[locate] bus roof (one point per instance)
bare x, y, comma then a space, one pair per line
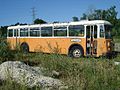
92, 22
82, 22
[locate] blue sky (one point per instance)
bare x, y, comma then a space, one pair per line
13, 11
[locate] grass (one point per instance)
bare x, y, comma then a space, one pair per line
116, 40
83, 73
78, 74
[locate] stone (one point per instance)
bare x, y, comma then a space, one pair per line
56, 74
117, 63
26, 75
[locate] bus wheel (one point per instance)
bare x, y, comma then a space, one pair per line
24, 48
76, 52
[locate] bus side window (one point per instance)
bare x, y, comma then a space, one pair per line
10, 33
76, 30
46, 31
34, 32
24, 32
60, 31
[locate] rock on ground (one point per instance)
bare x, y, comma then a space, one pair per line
117, 63
26, 75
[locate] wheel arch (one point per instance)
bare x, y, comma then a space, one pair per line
24, 44
73, 45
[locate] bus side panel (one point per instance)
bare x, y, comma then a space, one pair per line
57, 45
47, 45
52, 45
12, 42
103, 46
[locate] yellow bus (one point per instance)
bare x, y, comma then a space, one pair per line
76, 39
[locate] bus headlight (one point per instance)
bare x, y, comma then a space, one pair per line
108, 44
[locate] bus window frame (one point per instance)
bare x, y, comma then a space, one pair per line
17, 29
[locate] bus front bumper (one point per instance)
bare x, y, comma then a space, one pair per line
111, 55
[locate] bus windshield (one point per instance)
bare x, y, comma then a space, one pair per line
108, 29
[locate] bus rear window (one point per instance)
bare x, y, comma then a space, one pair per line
10, 33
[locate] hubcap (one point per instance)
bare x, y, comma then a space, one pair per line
76, 53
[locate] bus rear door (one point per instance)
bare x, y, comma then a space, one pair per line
16, 37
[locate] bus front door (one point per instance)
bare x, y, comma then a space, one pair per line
91, 40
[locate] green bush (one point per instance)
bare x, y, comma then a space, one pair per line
5, 52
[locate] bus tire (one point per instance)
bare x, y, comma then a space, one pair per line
24, 48
76, 52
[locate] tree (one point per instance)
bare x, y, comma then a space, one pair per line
39, 21
3, 31
108, 15
84, 17
19, 24
99, 14
75, 19
89, 13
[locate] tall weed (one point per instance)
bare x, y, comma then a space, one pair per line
5, 52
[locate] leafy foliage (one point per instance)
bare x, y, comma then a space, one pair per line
75, 19
19, 24
99, 14
39, 21
3, 31
5, 52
